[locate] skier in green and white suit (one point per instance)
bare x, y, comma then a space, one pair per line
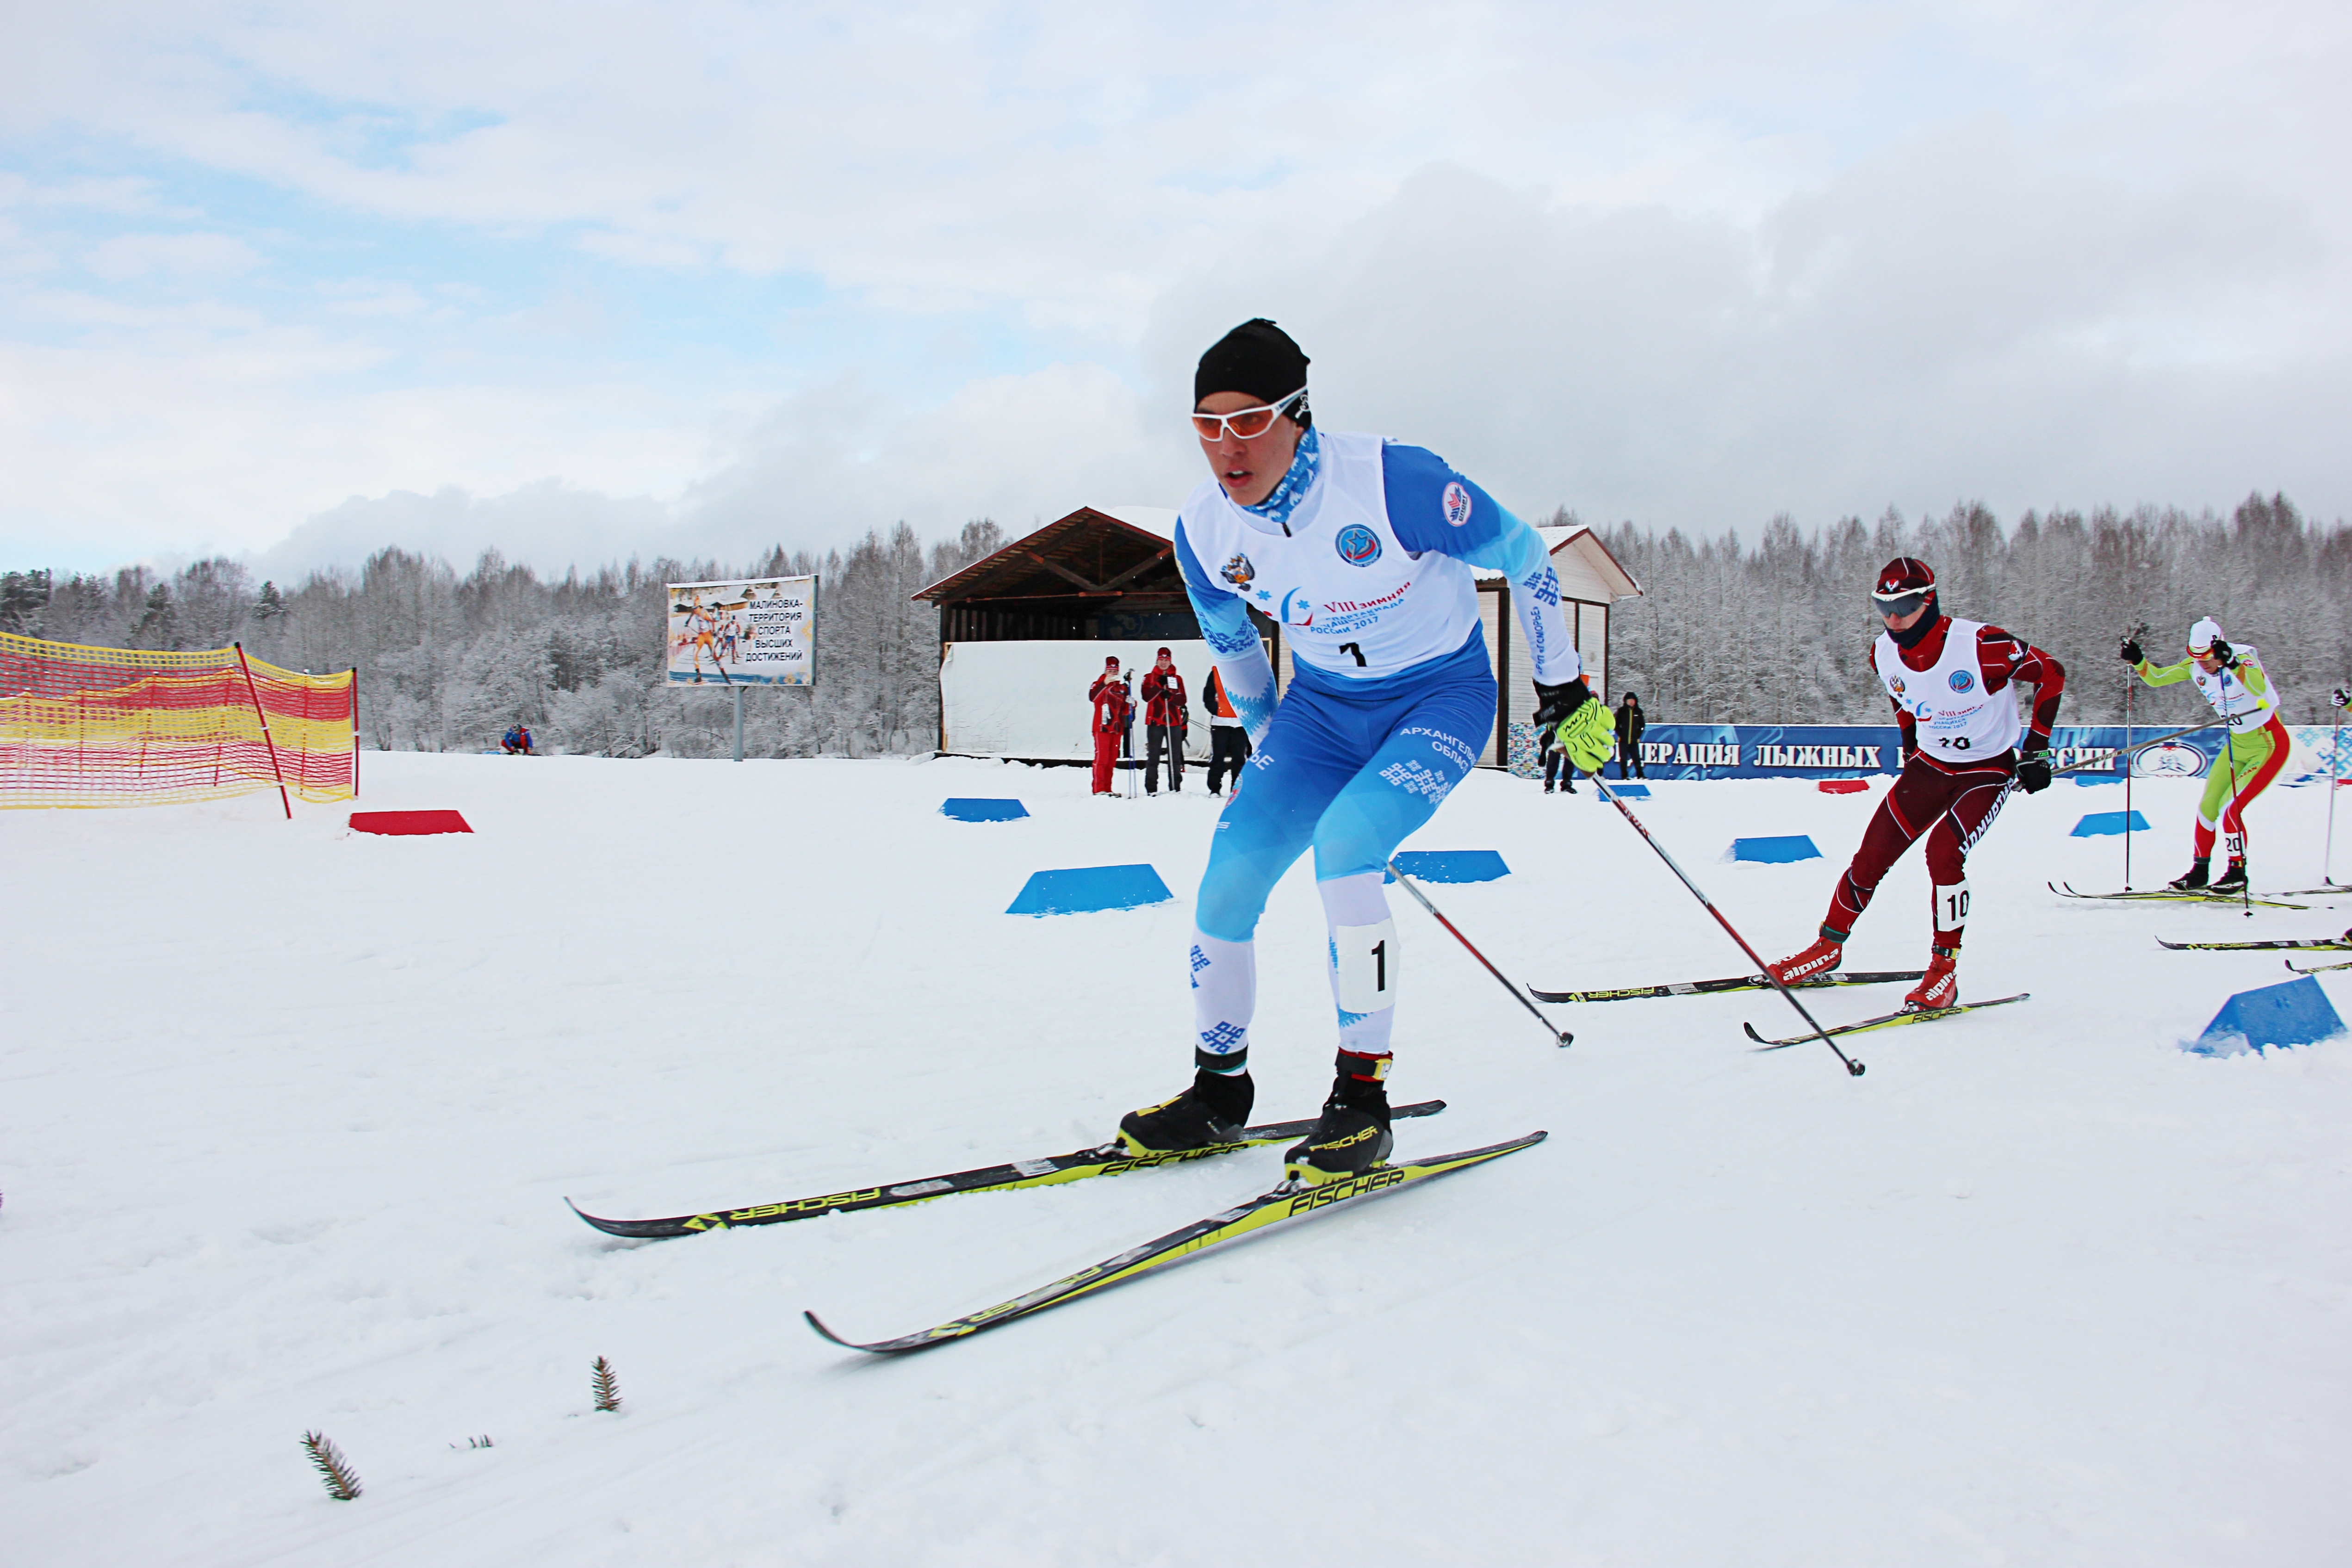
2233, 681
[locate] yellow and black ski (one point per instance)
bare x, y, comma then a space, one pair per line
1887, 1021
2172, 896
2323, 944
1282, 1204
1108, 1160
1733, 983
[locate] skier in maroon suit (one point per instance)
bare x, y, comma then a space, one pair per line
1165, 721
1967, 748
1112, 708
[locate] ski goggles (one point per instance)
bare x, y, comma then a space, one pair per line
1248, 423
1892, 606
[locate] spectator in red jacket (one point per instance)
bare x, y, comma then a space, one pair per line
1165, 721
1113, 705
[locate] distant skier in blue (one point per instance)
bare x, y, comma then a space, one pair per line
1363, 551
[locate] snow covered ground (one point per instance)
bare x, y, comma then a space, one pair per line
290, 1113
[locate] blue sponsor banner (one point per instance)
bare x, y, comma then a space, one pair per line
1862, 751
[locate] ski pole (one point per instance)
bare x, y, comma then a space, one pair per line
2138, 746
2229, 762
2335, 774
1851, 1066
1561, 1037
2131, 681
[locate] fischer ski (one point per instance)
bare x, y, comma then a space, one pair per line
2327, 943
2167, 895
2316, 969
1275, 1206
1733, 983
1109, 1159
1890, 1020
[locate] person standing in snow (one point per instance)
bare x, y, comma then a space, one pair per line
1112, 708
2233, 680
1229, 745
1630, 726
1366, 552
1555, 760
1165, 722
1954, 686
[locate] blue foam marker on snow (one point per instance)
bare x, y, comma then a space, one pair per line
1085, 889
2096, 778
1450, 865
1631, 791
2296, 1012
1775, 852
2096, 823
979, 809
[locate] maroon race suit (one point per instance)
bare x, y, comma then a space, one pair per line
1952, 800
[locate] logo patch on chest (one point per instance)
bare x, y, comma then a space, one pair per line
1963, 681
1455, 502
1357, 545
1238, 571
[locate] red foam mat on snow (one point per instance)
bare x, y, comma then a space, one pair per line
1844, 785
406, 822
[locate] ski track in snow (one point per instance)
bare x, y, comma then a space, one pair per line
289, 1111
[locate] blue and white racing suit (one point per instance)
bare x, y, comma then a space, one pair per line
1364, 554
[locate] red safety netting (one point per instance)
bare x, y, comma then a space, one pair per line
124, 726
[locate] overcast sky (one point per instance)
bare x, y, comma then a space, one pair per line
579, 279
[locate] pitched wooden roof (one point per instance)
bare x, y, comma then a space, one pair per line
1090, 555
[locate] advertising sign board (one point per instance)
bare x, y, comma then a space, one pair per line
759, 631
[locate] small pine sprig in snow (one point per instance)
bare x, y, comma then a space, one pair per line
605, 1384
335, 1472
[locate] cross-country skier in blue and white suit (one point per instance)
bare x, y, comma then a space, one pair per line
1363, 549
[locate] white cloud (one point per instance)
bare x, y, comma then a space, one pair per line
1692, 262
185, 256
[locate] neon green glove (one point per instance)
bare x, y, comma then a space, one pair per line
1589, 736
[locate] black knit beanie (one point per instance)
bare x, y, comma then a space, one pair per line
1258, 358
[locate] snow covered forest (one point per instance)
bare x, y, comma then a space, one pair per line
1776, 631
1780, 632
447, 662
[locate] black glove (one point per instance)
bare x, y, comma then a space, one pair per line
2223, 652
2034, 773
2340, 697
2131, 652
1556, 703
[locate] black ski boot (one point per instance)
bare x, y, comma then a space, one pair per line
2194, 882
2233, 880
1352, 1136
1213, 1111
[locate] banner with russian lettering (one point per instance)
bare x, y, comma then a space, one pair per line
1861, 751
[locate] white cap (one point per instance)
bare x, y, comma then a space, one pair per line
2204, 635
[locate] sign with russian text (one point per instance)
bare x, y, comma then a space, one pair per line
759, 631
1860, 751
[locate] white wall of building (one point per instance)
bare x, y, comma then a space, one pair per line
1029, 699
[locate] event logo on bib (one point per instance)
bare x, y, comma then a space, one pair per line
1455, 502
1297, 610
1357, 545
1962, 681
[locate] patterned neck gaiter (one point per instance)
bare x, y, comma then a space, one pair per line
1284, 500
